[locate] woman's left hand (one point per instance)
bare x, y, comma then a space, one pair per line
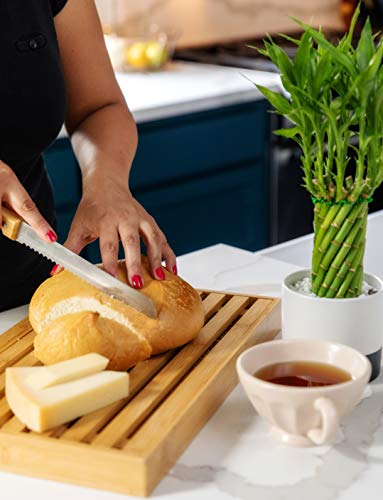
109, 212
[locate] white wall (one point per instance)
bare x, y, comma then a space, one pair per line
204, 21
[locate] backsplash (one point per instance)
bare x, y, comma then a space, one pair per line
206, 21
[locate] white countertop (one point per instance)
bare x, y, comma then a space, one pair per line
233, 456
182, 88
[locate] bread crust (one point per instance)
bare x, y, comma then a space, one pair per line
73, 330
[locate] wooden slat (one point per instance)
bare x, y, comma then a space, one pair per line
141, 406
16, 351
213, 303
14, 334
75, 463
88, 426
13, 425
193, 402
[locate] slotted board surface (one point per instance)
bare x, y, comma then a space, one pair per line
130, 445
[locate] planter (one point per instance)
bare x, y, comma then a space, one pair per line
357, 322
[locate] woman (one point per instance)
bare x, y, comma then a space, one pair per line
55, 68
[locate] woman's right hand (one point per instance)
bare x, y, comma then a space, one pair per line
14, 196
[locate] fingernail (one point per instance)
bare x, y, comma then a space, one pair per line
137, 281
52, 236
160, 273
174, 269
54, 269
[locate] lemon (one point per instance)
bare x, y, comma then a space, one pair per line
136, 55
156, 54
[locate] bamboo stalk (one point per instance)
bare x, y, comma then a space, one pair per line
347, 263
337, 262
327, 232
332, 241
329, 214
357, 279
351, 273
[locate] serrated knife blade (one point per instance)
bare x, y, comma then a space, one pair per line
14, 228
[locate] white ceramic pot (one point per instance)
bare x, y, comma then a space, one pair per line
356, 322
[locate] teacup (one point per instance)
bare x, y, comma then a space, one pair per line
304, 416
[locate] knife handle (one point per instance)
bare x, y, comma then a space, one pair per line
10, 223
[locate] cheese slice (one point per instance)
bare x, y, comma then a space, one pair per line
41, 409
72, 369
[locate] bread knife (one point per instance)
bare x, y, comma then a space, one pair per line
14, 228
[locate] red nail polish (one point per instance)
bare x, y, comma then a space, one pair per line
174, 269
54, 269
137, 281
160, 273
52, 236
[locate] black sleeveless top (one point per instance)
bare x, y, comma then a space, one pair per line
32, 109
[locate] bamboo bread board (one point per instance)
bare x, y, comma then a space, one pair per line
129, 446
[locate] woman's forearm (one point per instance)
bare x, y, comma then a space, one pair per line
105, 143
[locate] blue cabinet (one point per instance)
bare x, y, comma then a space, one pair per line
221, 207
204, 177
65, 176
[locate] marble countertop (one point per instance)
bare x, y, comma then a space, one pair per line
182, 88
233, 457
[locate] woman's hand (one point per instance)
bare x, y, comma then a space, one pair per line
14, 196
109, 212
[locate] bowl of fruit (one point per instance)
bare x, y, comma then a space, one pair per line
147, 51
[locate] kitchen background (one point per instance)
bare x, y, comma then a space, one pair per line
208, 167
206, 21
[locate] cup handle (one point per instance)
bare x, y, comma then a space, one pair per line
330, 422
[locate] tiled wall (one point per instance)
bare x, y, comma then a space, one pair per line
204, 21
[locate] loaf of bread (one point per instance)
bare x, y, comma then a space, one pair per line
71, 318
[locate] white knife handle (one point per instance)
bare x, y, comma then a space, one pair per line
10, 224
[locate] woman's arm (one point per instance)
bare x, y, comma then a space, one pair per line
104, 139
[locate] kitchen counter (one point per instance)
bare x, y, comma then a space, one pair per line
233, 456
182, 88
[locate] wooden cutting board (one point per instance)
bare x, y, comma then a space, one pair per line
129, 446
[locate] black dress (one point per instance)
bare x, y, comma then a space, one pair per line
32, 109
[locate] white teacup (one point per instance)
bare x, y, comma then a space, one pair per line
304, 416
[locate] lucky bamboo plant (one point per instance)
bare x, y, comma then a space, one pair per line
335, 102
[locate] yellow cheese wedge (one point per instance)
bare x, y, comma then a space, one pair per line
47, 376
42, 409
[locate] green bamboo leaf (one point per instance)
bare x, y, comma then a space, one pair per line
378, 103
337, 53
336, 104
364, 79
346, 43
280, 59
366, 47
323, 73
280, 103
309, 101
289, 133
302, 56
374, 64
296, 41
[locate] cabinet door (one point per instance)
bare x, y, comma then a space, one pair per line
229, 207
197, 144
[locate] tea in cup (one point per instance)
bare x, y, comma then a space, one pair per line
303, 387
